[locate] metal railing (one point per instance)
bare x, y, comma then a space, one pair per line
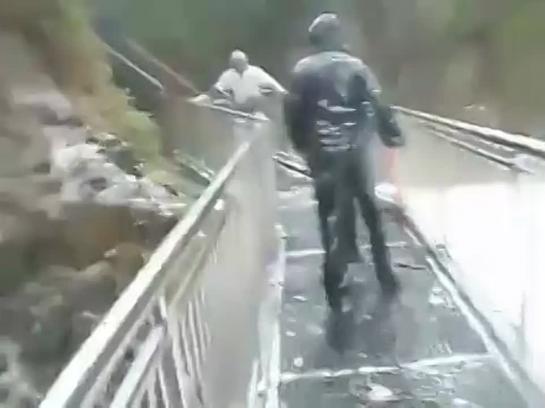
476, 195
185, 332
520, 142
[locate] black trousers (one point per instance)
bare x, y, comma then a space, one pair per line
341, 179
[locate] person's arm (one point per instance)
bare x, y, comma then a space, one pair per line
297, 106
372, 82
387, 127
268, 84
223, 88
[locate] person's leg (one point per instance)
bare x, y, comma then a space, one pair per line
324, 193
349, 231
344, 219
342, 240
332, 268
364, 191
332, 218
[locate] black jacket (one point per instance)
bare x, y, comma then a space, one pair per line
332, 95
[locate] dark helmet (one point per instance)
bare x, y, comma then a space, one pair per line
325, 31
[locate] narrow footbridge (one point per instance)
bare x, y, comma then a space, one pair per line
229, 311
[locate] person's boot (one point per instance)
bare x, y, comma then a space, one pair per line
351, 250
332, 280
389, 284
385, 275
334, 299
353, 255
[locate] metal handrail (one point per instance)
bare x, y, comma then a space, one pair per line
128, 63
517, 141
157, 335
70, 387
232, 112
161, 66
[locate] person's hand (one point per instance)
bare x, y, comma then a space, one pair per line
201, 99
266, 90
223, 103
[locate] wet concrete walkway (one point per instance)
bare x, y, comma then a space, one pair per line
417, 351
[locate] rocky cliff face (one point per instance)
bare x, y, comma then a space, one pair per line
80, 209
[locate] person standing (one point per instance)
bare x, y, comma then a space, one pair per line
333, 97
245, 86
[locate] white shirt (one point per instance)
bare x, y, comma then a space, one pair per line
247, 85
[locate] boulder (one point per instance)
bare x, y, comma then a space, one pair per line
37, 319
13, 266
16, 241
118, 152
50, 330
83, 324
126, 260
4, 363
90, 290
23, 146
154, 226
28, 401
4, 393
45, 102
90, 230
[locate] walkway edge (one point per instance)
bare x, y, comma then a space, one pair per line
269, 382
443, 270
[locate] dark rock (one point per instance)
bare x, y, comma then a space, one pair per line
39, 317
48, 105
118, 152
16, 240
98, 183
15, 317
14, 269
90, 230
126, 259
83, 324
50, 330
91, 290
155, 226
28, 402
4, 363
45, 184
47, 245
42, 168
22, 146
4, 393
105, 140
57, 278
52, 251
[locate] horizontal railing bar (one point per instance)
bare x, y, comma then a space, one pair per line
70, 387
148, 56
521, 142
232, 112
509, 163
127, 62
